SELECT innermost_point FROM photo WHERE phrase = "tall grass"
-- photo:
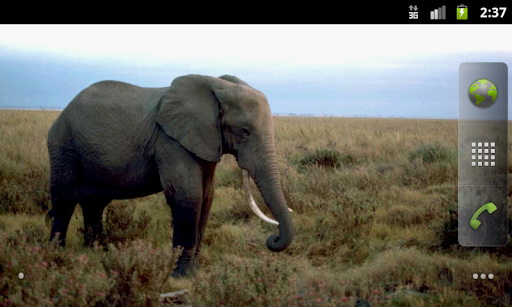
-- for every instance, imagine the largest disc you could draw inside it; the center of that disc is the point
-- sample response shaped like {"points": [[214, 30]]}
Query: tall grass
{"points": [[374, 208], [24, 163]]}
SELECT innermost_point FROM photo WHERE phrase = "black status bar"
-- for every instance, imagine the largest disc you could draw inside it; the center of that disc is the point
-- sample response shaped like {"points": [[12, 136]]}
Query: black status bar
{"points": [[436, 12], [457, 14]]}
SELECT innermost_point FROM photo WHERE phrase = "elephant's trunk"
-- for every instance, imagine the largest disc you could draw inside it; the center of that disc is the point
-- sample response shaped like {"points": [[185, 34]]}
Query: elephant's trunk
{"points": [[252, 202], [267, 180]]}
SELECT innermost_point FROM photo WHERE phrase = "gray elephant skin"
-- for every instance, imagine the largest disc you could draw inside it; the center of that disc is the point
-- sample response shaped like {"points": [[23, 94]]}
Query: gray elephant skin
{"points": [[118, 141]]}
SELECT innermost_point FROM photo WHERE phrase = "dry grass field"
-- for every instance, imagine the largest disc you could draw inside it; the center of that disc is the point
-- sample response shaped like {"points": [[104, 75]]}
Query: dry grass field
{"points": [[375, 213]]}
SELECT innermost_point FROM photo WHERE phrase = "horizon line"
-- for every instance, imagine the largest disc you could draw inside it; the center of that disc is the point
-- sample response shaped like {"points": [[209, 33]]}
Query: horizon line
{"points": [[290, 114]]}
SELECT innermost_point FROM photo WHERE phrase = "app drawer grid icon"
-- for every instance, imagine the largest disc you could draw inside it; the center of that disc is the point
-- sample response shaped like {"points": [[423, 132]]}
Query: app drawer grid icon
{"points": [[483, 154]]}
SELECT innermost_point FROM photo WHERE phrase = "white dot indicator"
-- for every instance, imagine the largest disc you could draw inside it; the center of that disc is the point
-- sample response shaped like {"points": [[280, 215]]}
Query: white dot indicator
{"points": [[475, 276], [482, 276], [21, 275], [491, 276]]}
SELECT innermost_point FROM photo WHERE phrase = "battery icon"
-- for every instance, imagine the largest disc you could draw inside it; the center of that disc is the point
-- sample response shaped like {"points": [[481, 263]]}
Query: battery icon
{"points": [[462, 12]]}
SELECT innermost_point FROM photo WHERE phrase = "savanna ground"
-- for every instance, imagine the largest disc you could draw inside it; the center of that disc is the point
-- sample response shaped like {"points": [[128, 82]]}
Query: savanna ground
{"points": [[375, 213]]}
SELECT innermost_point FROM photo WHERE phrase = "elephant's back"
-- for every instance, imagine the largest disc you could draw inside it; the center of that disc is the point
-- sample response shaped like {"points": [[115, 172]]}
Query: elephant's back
{"points": [[119, 96], [107, 109], [109, 102]]}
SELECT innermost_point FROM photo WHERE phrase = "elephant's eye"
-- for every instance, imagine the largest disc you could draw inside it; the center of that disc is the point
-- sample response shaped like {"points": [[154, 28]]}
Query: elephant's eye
{"points": [[245, 132]]}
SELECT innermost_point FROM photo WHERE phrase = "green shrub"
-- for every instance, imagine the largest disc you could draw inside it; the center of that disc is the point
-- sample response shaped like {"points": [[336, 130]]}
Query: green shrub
{"points": [[228, 173], [263, 281], [431, 153], [448, 232], [133, 274], [31, 196], [122, 224], [404, 216], [137, 272], [326, 158], [342, 231]]}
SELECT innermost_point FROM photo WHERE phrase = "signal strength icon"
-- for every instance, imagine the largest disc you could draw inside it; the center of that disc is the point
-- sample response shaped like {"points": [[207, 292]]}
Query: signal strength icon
{"points": [[439, 13]]}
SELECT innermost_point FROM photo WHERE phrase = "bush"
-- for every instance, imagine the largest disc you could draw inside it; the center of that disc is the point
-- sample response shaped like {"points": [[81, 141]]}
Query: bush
{"points": [[127, 275], [263, 281], [31, 196], [137, 272], [327, 158], [342, 231], [448, 233], [431, 153], [121, 223], [228, 173]]}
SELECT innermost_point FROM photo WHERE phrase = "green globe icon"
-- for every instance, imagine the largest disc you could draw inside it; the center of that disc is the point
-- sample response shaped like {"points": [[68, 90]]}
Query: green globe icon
{"points": [[483, 93]]}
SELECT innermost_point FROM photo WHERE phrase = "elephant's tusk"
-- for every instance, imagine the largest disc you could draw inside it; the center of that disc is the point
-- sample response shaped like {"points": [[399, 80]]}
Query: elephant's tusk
{"points": [[252, 203]]}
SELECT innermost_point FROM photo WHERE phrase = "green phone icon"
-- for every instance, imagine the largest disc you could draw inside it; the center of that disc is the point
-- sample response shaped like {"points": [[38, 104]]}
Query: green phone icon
{"points": [[489, 207]]}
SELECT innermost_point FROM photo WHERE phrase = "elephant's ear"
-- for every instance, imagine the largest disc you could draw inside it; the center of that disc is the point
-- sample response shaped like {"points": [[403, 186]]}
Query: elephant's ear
{"points": [[189, 113], [234, 80]]}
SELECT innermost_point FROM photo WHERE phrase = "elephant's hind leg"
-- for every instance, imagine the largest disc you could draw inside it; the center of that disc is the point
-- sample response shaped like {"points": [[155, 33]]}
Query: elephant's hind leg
{"points": [[92, 208], [64, 189], [62, 211]]}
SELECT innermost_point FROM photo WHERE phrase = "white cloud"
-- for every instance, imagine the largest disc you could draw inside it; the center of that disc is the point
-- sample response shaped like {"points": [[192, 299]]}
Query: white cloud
{"points": [[252, 44]]}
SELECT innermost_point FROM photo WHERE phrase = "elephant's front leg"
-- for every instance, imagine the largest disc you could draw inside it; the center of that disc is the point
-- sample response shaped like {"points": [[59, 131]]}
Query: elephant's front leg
{"points": [[182, 180], [208, 193], [186, 208]]}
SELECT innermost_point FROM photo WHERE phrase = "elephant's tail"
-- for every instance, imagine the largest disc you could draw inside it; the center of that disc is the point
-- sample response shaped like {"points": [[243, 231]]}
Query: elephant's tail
{"points": [[49, 218]]}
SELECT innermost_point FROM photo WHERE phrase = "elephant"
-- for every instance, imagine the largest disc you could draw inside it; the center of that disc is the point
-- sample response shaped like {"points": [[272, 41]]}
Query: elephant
{"points": [[115, 140]]}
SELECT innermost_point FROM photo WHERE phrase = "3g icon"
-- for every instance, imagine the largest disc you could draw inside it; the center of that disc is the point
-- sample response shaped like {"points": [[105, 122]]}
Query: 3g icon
{"points": [[413, 14]]}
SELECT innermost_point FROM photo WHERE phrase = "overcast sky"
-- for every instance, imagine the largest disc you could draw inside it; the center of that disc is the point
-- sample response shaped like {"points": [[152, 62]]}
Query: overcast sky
{"points": [[352, 70]]}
